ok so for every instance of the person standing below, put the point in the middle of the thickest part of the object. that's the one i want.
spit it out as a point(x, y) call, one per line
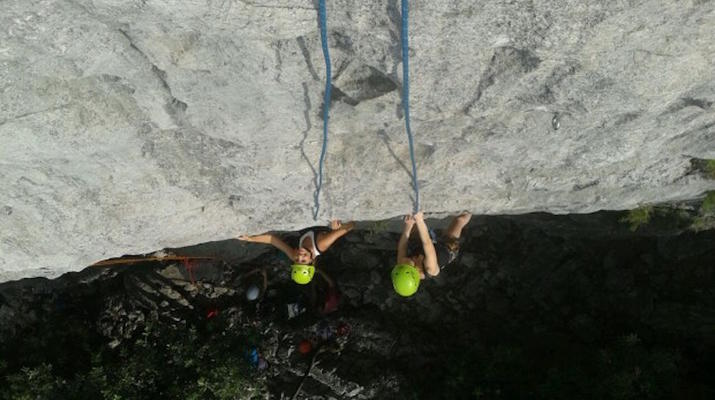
point(430, 257)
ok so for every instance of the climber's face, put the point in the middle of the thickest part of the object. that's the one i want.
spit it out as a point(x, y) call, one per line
point(303, 256)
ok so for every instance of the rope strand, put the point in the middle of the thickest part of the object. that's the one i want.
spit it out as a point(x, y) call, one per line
point(326, 102)
point(406, 99)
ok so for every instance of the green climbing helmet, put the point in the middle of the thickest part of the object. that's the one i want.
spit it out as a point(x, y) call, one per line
point(302, 274)
point(405, 279)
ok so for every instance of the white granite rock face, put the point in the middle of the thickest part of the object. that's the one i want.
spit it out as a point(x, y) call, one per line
point(131, 125)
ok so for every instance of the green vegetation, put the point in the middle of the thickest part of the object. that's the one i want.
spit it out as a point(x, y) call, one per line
point(706, 219)
point(638, 217)
point(710, 169)
point(164, 363)
point(704, 167)
point(708, 206)
point(31, 383)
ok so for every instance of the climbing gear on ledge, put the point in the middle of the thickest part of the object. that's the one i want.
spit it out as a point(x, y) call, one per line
point(305, 346)
point(252, 293)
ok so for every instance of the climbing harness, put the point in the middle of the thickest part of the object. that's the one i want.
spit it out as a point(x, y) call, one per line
point(406, 99)
point(326, 102)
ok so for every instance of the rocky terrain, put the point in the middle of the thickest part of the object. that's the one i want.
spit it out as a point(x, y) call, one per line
point(601, 306)
point(130, 126)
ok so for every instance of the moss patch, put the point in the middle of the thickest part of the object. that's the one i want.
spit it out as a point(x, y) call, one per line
point(638, 217)
point(708, 206)
point(710, 169)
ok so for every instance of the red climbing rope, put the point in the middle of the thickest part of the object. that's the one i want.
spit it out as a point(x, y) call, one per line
point(119, 261)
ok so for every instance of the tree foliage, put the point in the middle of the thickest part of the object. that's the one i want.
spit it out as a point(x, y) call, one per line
point(161, 362)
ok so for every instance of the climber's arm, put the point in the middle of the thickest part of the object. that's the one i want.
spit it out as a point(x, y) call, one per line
point(404, 238)
point(430, 263)
point(326, 239)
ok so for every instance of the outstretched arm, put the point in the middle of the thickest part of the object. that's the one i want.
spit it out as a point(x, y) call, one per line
point(326, 239)
point(404, 238)
point(275, 241)
point(430, 262)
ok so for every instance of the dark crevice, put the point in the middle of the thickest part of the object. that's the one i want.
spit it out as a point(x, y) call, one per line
point(625, 118)
point(31, 113)
point(702, 167)
point(700, 103)
point(342, 42)
point(279, 61)
point(507, 64)
point(175, 107)
point(361, 83)
point(306, 56)
point(338, 95)
point(706, 129)
point(276, 6)
point(581, 186)
point(385, 139)
point(684, 102)
point(308, 127)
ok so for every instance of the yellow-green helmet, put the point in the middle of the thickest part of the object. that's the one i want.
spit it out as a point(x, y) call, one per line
point(302, 274)
point(405, 279)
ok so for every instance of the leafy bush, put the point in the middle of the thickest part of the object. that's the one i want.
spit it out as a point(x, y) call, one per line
point(638, 217)
point(162, 362)
point(706, 219)
point(708, 205)
point(710, 169)
point(36, 383)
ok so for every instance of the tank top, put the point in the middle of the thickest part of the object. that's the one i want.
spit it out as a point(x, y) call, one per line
point(311, 235)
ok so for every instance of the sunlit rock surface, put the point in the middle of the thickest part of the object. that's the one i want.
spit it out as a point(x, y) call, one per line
point(128, 126)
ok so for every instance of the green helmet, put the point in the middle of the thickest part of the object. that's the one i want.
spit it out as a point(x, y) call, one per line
point(405, 279)
point(302, 274)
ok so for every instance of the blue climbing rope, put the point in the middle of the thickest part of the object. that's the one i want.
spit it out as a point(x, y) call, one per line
point(406, 99)
point(326, 102)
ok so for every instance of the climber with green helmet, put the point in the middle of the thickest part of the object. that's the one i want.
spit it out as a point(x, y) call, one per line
point(428, 259)
point(311, 243)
